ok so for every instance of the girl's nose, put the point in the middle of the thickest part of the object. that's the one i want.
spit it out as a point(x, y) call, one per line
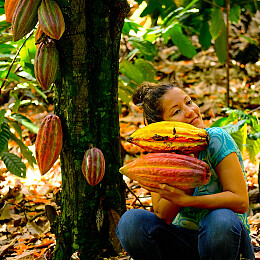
point(188, 112)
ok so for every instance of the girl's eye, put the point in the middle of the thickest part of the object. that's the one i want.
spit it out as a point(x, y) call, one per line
point(189, 102)
point(176, 112)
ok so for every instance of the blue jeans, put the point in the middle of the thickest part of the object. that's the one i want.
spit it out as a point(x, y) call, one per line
point(221, 235)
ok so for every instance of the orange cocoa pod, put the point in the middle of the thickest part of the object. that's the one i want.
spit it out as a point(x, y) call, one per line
point(48, 143)
point(51, 19)
point(93, 166)
point(178, 170)
point(46, 63)
point(25, 18)
point(38, 34)
point(9, 7)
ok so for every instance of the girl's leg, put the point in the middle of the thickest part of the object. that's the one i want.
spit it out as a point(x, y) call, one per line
point(223, 237)
point(146, 237)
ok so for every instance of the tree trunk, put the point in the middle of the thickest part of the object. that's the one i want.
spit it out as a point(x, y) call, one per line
point(86, 100)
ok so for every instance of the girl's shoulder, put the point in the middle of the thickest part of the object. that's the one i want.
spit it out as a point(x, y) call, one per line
point(220, 145)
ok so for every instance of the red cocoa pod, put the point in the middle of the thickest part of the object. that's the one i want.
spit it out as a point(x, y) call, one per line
point(46, 63)
point(9, 9)
point(48, 143)
point(178, 170)
point(51, 19)
point(93, 166)
point(25, 17)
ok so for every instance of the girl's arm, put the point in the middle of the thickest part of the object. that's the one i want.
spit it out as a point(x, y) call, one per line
point(164, 209)
point(234, 195)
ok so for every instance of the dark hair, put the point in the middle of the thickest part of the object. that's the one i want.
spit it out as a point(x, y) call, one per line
point(149, 96)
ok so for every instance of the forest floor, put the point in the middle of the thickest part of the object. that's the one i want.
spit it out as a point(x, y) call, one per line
point(25, 231)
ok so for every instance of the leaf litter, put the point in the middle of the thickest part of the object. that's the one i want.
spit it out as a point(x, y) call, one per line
point(25, 230)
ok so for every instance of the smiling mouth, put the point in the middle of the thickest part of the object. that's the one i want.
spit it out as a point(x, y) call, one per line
point(193, 120)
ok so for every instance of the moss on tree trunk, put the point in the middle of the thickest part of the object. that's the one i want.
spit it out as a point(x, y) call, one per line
point(86, 101)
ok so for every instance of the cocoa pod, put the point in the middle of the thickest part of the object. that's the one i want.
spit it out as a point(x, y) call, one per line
point(25, 18)
point(9, 7)
point(178, 170)
point(168, 136)
point(93, 166)
point(51, 19)
point(38, 34)
point(46, 63)
point(48, 143)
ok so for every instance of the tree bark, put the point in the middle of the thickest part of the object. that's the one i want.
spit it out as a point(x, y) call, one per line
point(86, 100)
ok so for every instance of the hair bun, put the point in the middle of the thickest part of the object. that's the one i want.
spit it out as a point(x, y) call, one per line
point(140, 92)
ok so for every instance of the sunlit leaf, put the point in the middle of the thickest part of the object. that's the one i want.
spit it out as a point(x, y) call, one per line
point(4, 136)
point(26, 152)
point(14, 164)
point(25, 122)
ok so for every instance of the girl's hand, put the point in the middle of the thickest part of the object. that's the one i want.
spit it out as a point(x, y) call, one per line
point(172, 194)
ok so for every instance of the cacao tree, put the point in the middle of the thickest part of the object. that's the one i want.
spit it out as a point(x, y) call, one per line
point(86, 101)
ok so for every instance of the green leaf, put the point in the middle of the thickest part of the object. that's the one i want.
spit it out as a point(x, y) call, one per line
point(26, 152)
point(145, 47)
point(220, 122)
point(139, 71)
point(253, 148)
point(15, 126)
point(221, 47)
point(130, 25)
point(205, 36)
point(182, 42)
point(25, 122)
point(217, 23)
point(2, 115)
point(4, 136)
point(6, 48)
point(238, 132)
point(234, 14)
point(14, 164)
point(4, 25)
point(123, 93)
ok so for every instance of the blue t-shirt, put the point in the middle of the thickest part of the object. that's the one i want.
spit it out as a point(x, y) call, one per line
point(220, 145)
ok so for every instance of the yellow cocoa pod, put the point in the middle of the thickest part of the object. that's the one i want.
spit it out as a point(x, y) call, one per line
point(168, 136)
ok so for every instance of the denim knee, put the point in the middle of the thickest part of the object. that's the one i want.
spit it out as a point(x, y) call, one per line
point(134, 230)
point(222, 231)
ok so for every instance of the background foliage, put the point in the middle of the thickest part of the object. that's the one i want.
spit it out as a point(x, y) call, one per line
point(189, 27)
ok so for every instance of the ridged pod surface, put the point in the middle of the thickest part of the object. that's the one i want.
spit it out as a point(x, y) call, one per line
point(25, 18)
point(168, 136)
point(51, 19)
point(38, 35)
point(46, 63)
point(48, 143)
point(93, 166)
point(9, 9)
point(178, 170)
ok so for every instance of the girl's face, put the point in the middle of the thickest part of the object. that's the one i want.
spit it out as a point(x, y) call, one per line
point(178, 106)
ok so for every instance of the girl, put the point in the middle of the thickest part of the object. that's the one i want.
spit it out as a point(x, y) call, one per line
point(206, 223)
